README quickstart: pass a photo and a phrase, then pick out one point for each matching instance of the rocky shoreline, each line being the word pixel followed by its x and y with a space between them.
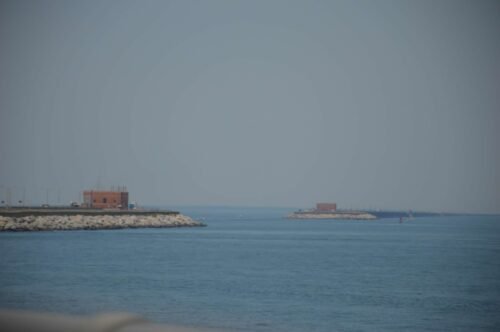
pixel 93 222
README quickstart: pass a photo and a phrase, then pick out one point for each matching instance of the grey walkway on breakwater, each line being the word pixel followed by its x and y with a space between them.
pixel 80 219
pixel 64 211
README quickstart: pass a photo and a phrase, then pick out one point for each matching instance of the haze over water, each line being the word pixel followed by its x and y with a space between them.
pixel 372 104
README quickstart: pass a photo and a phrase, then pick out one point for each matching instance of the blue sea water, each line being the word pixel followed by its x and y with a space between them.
pixel 252 270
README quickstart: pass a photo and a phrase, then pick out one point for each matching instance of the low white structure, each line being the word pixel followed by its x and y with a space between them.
pixel 333 215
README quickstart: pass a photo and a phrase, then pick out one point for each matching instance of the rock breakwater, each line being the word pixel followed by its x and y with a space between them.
pixel 93 222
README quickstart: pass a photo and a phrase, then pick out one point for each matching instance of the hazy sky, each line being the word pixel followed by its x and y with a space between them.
pixel 371 104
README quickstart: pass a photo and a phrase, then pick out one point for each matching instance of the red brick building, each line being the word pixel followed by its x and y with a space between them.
pixel 326 207
pixel 97 199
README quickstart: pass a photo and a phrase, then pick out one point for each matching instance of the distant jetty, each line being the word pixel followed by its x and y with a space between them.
pixel 350 215
pixel 329 211
pixel 19 219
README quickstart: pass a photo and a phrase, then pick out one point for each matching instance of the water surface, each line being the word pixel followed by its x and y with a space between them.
pixel 252 270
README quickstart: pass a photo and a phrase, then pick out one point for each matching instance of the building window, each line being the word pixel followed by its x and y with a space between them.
pixel 94 200
pixel 104 200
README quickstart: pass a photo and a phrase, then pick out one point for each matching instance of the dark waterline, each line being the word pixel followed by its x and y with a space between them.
pixel 250 269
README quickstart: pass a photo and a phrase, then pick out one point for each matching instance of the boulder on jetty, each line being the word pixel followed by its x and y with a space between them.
pixel 93 222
